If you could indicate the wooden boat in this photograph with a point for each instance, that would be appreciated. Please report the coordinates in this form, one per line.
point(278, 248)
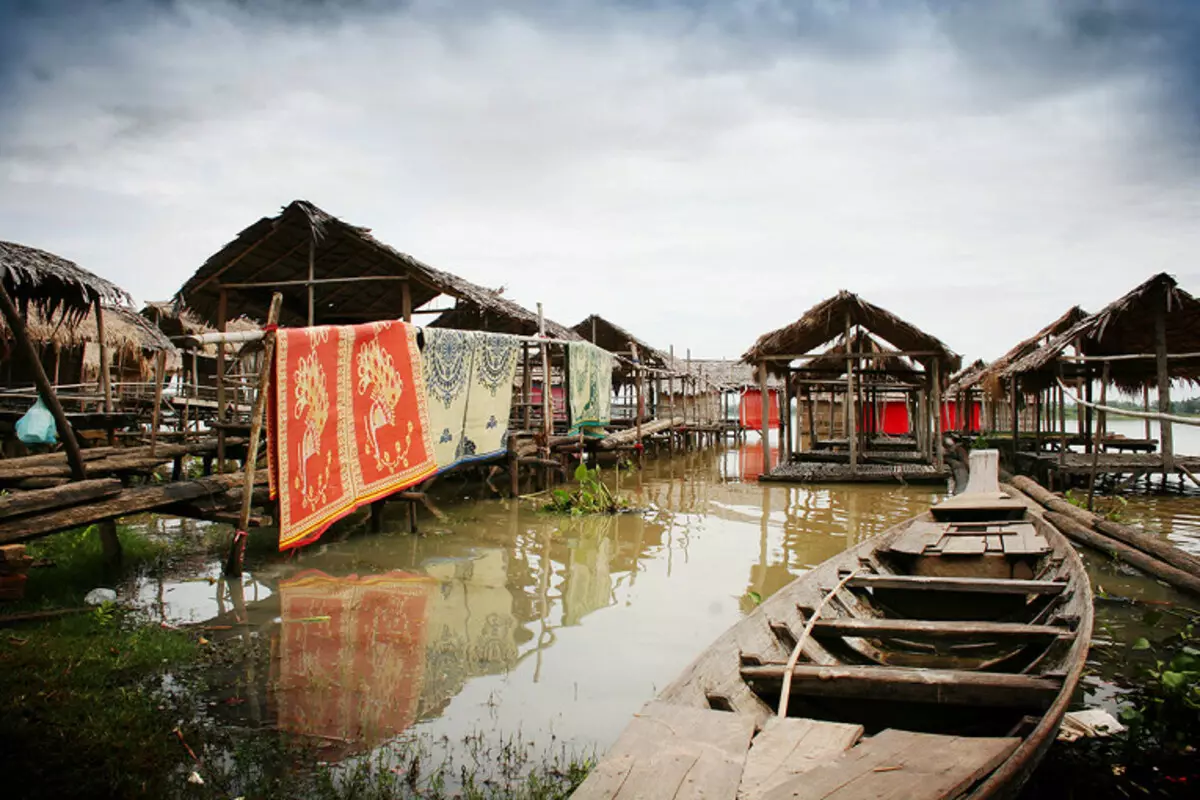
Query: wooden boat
point(931, 662)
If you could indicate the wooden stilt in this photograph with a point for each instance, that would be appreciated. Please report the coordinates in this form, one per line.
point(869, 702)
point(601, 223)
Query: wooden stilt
point(222, 310)
point(851, 400)
point(1098, 435)
point(1165, 435)
point(765, 427)
point(237, 548)
point(160, 368)
point(939, 446)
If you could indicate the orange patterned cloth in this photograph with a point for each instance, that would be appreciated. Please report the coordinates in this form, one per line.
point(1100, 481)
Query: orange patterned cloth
point(348, 422)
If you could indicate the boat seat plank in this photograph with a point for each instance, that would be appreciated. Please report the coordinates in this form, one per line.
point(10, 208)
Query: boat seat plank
point(670, 751)
point(936, 629)
point(917, 537)
point(963, 545)
point(984, 585)
point(900, 765)
point(1024, 540)
point(788, 747)
point(913, 684)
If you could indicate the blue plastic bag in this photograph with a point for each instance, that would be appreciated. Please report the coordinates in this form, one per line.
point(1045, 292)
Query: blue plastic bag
point(37, 425)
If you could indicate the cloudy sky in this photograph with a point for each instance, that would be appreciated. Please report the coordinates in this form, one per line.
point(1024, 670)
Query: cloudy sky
point(700, 172)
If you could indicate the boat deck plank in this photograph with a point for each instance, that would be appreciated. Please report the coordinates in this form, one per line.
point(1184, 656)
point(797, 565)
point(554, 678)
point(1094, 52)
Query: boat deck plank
point(671, 751)
point(937, 629)
point(900, 765)
point(985, 585)
point(788, 747)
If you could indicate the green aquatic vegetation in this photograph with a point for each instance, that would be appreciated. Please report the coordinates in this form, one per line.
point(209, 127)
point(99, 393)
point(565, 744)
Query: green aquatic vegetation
point(1111, 508)
point(591, 496)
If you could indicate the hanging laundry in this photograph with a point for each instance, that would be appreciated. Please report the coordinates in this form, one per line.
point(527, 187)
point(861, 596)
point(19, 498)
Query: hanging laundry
point(558, 401)
point(590, 372)
point(348, 422)
point(448, 358)
point(489, 402)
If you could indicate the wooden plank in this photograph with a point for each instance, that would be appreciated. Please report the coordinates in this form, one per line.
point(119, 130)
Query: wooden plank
point(914, 684)
point(672, 751)
point(901, 765)
point(789, 747)
point(936, 629)
point(14, 505)
point(963, 545)
point(917, 537)
point(982, 585)
point(994, 543)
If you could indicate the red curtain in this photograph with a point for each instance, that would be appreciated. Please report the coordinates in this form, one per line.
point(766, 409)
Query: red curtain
point(895, 418)
point(950, 421)
point(751, 409)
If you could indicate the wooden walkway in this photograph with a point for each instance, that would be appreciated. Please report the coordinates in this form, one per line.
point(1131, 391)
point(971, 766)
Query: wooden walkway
point(812, 472)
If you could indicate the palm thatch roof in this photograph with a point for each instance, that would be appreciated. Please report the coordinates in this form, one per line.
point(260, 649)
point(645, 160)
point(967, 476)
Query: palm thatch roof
point(52, 284)
point(825, 321)
point(615, 339)
point(274, 253)
point(1124, 327)
point(719, 372)
point(875, 356)
point(989, 374)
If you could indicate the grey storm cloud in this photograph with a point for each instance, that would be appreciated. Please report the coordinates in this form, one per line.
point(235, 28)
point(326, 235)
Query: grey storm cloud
point(698, 172)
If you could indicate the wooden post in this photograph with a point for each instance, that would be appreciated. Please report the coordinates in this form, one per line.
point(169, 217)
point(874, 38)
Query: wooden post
point(671, 402)
point(222, 310)
point(312, 288)
point(1037, 422)
point(1100, 420)
point(406, 301)
point(160, 368)
point(237, 548)
point(638, 404)
point(21, 336)
point(547, 389)
point(1145, 404)
point(105, 378)
point(939, 447)
point(1164, 389)
point(689, 380)
point(1014, 392)
point(526, 387)
point(812, 422)
point(785, 417)
point(851, 401)
point(765, 427)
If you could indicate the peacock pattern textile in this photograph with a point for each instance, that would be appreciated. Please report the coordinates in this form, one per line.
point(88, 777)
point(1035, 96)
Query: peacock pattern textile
point(348, 422)
point(448, 358)
point(590, 385)
point(485, 431)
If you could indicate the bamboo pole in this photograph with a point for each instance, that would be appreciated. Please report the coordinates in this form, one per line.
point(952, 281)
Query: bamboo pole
point(160, 369)
point(222, 311)
point(105, 378)
point(1165, 435)
point(766, 415)
point(1099, 433)
point(237, 548)
point(25, 346)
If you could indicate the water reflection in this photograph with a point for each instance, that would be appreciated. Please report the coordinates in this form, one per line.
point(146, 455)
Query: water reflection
point(508, 618)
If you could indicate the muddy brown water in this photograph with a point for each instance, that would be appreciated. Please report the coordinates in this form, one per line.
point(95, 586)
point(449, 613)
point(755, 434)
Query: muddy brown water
point(505, 619)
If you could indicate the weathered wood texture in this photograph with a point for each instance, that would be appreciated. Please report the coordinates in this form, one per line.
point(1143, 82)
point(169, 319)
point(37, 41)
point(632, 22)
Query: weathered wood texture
point(129, 501)
point(1124, 534)
point(789, 747)
point(983, 585)
point(937, 629)
point(671, 751)
point(69, 494)
point(900, 765)
point(1130, 555)
point(957, 687)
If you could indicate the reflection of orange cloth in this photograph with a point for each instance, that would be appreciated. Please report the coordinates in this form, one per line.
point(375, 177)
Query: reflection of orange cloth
point(750, 460)
point(751, 409)
point(348, 422)
point(359, 673)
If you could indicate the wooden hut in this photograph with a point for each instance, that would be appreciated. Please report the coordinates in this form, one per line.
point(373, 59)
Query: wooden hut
point(844, 315)
point(636, 361)
point(1147, 338)
point(983, 383)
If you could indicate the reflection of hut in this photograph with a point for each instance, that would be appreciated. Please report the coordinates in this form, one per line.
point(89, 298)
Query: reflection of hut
point(1146, 338)
point(870, 362)
point(351, 657)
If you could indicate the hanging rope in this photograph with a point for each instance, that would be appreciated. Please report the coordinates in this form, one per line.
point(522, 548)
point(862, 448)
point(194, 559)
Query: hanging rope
point(795, 656)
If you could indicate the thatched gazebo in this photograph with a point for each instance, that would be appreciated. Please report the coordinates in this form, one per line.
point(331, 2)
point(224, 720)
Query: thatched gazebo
point(1147, 338)
point(840, 318)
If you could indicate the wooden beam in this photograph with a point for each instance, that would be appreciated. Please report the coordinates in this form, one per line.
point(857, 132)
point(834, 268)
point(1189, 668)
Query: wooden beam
point(15, 505)
point(921, 629)
point(310, 282)
point(25, 347)
point(406, 310)
point(981, 585)
point(938, 686)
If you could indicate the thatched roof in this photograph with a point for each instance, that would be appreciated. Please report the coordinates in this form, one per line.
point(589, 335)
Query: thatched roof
point(1124, 327)
point(876, 356)
point(727, 374)
point(124, 329)
point(52, 284)
point(275, 251)
point(989, 373)
point(615, 339)
point(825, 321)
